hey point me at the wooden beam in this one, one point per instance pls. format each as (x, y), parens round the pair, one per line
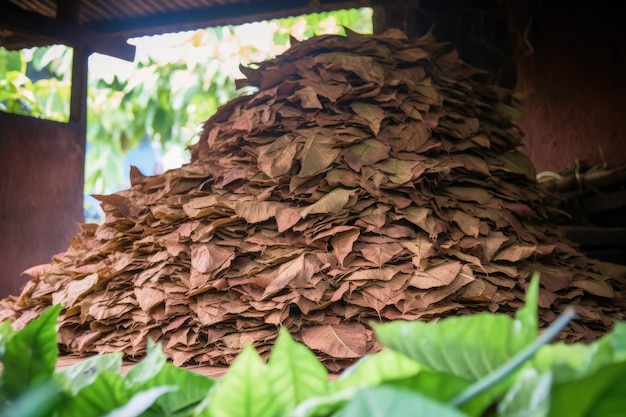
(68, 11)
(222, 15)
(397, 14)
(595, 235)
(37, 26)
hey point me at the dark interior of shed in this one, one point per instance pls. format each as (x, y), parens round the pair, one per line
(566, 63)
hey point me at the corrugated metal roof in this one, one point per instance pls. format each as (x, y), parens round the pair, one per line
(128, 18)
(98, 11)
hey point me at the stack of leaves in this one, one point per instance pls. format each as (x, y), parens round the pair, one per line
(368, 178)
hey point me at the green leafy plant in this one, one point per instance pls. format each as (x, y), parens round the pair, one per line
(479, 365)
(47, 97)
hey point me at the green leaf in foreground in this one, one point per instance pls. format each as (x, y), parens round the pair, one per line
(443, 387)
(325, 405)
(147, 368)
(76, 377)
(39, 401)
(6, 331)
(155, 372)
(140, 402)
(525, 325)
(30, 354)
(602, 393)
(375, 369)
(568, 362)
(244, 391)
(387, 401)
(294, 373)
(505, 370)
(194, 388)
(106, 393)
(469, 347)
(618, 341)
(528, 397)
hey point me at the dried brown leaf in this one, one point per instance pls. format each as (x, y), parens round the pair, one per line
(256, 211)
(515, 252)
(437, 276)
(379, 253)
(148, 297)
(333, 202)
(345, 340)
(372, 113)
(296, 273)
(277, 158)
(209, 257)
(366, 153)
(468, 224)
(317, 155)
(373, 274)
(342, 244)
(595, 287)
(308, 98)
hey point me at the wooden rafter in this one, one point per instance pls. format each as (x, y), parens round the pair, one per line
(37, 26)
(222, 15)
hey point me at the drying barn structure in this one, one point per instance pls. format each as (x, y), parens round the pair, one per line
(366, 178)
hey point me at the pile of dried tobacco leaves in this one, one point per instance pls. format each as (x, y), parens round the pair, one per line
(369, 178)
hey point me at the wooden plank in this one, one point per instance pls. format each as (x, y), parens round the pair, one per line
(604, 202)
(69, 11)
(596, 236)
(595, 179)
(34, 25)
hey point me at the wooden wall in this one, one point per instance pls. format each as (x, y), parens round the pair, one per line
(571, 79)
(41, 193)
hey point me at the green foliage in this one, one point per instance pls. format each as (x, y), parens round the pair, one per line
(49, 96)
(39, 401)
(304, 27)
(294, 373)
(141, 402)
(529, 396)
(386, 401)
(575, 380)
(602, 393)
(244, 391)
(193, 389)
(106, 393)
(82, 374)
(436, 345)
(371, 370)
(29, 355)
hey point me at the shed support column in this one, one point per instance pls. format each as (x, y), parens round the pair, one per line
(476, 28)
(69, 11)
(397, 14)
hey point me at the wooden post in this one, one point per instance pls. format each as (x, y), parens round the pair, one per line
(397, 14)
(476, 28)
